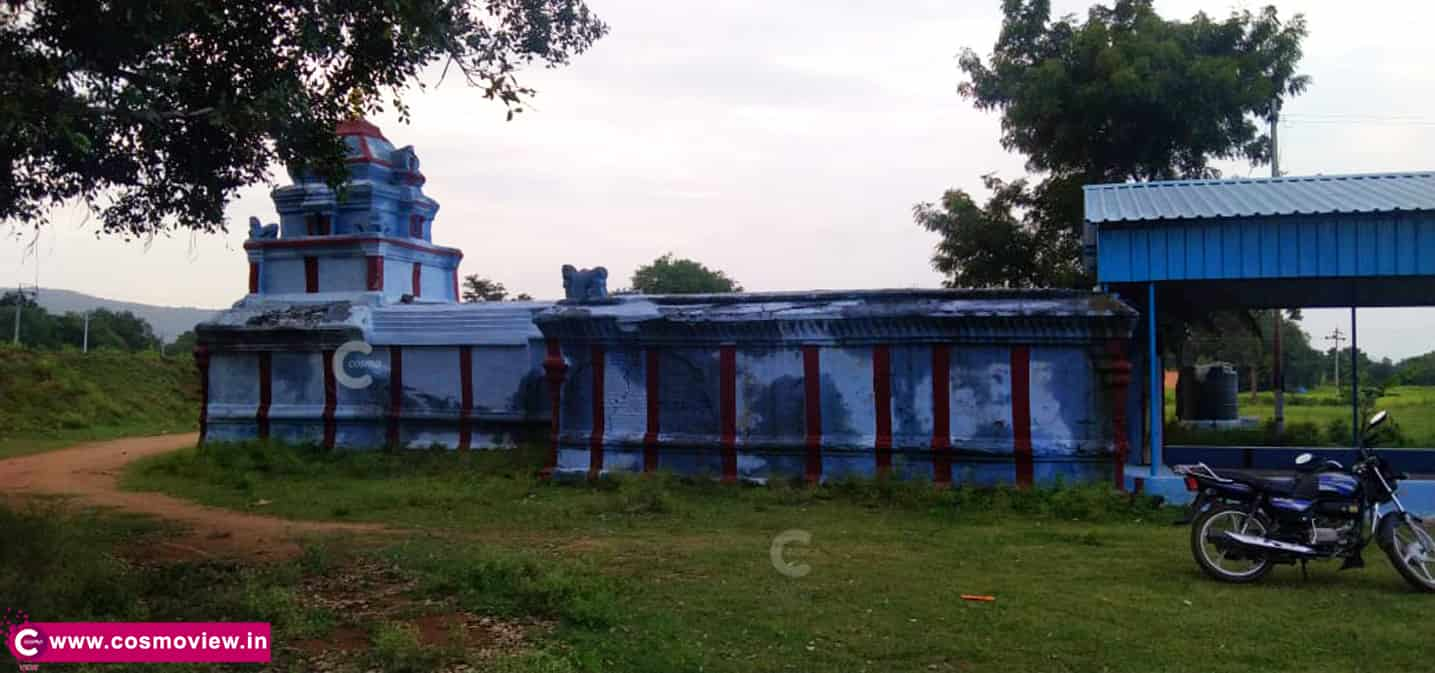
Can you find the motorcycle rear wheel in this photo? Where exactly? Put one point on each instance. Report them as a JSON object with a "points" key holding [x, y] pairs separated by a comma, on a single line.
{"points": [[1218, 563], [1410, 549]]}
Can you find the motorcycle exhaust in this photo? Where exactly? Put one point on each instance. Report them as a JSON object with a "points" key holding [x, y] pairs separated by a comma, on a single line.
{"points": [[1267, 544]]}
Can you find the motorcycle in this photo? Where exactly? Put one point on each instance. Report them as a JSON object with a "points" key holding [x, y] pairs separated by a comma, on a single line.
{"points": [[1244, 524]]}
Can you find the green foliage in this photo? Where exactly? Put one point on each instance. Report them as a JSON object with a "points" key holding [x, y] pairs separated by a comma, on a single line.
{"points": [[996, 244], [486, 580], [59, 565], [1125, 95], [667, 275], [1245, 339], [477, 288], [184, 343], [155, 118], [396, 649], [1337, 432], [694, 588], [1322, 418], [74, 396], [39, 328], [1416, 371]]}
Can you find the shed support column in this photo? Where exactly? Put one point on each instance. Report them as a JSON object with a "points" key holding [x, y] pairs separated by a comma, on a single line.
{"points": [[1157, 396]]}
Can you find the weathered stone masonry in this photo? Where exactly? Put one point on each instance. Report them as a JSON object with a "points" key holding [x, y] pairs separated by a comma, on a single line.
{"points": [[351, 336]]}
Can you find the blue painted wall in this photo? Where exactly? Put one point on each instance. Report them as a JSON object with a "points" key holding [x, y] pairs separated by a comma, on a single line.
{"points": [[1071, 431], [1071, 424]]}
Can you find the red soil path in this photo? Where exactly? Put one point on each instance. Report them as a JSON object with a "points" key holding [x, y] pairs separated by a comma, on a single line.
{"points": [[88, 474]]}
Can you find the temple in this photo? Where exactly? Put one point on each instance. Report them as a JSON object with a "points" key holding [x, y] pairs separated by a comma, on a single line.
{"points": [[351, 335], [377, 239]]}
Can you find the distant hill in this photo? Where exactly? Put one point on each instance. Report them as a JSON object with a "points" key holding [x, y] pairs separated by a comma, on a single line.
{"points": [[168, 321]]}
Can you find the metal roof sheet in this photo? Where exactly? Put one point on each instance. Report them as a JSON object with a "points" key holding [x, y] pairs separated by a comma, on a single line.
{"points": [[1255, 197]]}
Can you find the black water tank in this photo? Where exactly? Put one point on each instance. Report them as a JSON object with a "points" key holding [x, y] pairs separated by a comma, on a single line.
{"points": [[1218, 400]]}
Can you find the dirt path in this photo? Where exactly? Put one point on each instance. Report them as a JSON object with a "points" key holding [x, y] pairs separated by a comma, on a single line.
{"points": [[90, 473]]}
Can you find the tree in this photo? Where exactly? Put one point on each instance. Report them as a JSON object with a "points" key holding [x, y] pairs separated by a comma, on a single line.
{"points": [[1126, 95], [667, 275], [993, 246], [522, 296], [477, 288], [39, 328], [154, 115], [1244, 339], [12, 297], [184, 343]]}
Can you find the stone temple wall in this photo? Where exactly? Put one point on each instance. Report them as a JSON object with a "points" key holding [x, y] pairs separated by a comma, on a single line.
{"points": [[458, 376], [351, 336], [950, 386]]}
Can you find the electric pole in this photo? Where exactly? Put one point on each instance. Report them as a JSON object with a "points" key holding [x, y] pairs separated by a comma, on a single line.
{"points": [[20, 293], [86, 347], [1338, 338]]}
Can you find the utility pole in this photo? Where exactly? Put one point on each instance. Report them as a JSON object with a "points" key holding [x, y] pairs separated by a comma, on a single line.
{"points": [[86, 347], [20, 293], [1277, 376], [1338, 338]]}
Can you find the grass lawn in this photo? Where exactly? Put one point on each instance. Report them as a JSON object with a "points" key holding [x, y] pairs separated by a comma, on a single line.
{"points": [[1411, 407], [53, 399], [670, 575]]}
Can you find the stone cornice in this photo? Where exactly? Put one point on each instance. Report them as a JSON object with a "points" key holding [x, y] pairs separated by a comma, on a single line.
{"points": [[844, 318]]}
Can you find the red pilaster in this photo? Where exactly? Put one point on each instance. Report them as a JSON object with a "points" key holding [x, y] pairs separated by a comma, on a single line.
{"points": [[456, 295], [941, 415], [374, 273], [812, 406], [253, 277], [595, 441], [727, 398], [882, 406], [201, 362], [465, 409], [555, 370], [1021, 414], [1116, 375], [266, 392], [331, 397], [417, 284], [650, 438], [396, 394], [311, 274]]}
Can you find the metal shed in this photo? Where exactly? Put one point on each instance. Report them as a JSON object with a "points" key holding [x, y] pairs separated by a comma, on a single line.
{"points": [[1308, 241]]}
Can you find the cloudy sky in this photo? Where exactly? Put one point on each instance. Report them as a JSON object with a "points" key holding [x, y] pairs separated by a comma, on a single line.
{"points": [[784, 142]]}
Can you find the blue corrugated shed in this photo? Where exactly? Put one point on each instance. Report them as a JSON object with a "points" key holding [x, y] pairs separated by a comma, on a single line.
{"points": [[1319, 227], [1258, 197]]}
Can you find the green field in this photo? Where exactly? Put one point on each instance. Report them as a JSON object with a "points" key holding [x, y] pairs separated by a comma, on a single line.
{"points": [[52, 399], [665, 574], [1317, 418]]}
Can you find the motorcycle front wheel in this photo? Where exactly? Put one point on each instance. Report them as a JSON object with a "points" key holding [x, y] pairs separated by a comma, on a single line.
{"points": [[1410, 549], [1216, 557]]}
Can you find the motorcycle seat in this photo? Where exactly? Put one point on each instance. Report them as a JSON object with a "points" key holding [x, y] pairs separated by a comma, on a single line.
{"points": [[1272, 485]]}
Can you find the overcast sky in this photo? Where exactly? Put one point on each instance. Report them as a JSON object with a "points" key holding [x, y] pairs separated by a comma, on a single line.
{"points": [[783, 142]]}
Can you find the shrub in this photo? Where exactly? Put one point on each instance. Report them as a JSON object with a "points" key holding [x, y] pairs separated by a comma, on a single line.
{"points": [[396, 649], [1337, 431]]}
